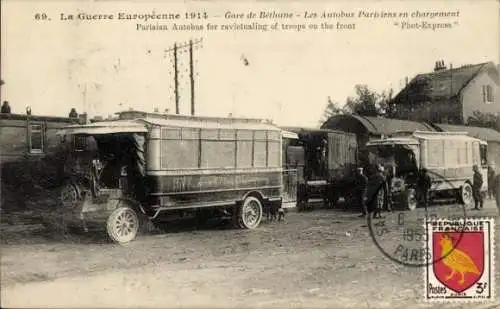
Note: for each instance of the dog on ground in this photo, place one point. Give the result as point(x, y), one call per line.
point(275, 213)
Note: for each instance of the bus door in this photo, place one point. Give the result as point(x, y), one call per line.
point(292, 175)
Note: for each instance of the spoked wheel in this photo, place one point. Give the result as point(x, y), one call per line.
point(69, 195)
point(123, 224)
point(466, 194)
point(250, 213)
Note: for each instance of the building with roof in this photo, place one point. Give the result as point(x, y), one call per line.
point(368, 128)
point(450, 95)
point(489, 135)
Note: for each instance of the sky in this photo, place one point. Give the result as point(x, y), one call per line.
point(107, 66)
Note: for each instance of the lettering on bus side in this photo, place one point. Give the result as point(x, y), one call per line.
point(179, 184)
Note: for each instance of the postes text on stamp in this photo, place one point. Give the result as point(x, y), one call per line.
point(463, 255)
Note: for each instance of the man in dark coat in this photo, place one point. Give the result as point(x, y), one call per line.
point(497, 191)
point(377, 197)
point(361, 184)
point(73, 113)
point(477, 183)
point(491, 181)
point(424, 184)
point(5, 107)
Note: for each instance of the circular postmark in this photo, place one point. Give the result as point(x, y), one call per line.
point(403, 235)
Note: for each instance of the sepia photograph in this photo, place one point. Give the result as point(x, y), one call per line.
point(250, 154)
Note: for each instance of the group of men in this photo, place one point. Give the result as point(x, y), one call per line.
point(374, 194)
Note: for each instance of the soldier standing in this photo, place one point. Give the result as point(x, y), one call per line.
point(379, 195)
point(361, 184)
point(477, 183)
point(491, 181)
point(73, 113)
point(5, 107)
point(497, 190)
point(424, 184)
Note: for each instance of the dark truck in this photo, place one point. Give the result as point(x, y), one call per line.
point(326, 162)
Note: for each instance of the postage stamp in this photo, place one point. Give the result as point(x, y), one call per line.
point(463, 260)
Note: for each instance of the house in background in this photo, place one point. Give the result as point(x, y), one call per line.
point(450, 95)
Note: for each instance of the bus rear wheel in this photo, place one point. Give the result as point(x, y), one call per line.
point(250, 213)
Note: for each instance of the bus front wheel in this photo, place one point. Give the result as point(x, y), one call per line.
point(466, 194)
point(123, 225)
point(250, 213)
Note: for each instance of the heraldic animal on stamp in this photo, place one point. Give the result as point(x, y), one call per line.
point(462, 252)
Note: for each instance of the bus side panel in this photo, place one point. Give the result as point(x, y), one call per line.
point(177, 190)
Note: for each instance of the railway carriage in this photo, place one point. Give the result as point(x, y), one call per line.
point(122, 172)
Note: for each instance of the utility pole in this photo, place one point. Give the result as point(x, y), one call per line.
point(176, 80)
point(191, 75)
point(178, 48)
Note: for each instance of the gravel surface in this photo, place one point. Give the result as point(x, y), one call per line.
point(323, 258)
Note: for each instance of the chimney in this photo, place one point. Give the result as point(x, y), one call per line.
point(440, 66)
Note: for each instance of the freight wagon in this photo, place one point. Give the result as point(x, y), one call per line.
point(326, 161)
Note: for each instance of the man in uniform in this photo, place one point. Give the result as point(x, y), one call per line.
point(491, 181)
point(378, 194)
point(423, 186)
point(361, 184)
point(5, 107)
point(497, 191)
point(477, 183)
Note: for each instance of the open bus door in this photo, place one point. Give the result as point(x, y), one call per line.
point(293, 167)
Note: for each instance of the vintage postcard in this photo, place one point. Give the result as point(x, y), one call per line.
point(268, 154)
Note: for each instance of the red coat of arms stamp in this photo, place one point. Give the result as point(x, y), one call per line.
point(463, 259)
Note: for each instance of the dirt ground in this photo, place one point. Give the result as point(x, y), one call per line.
point(323, 258)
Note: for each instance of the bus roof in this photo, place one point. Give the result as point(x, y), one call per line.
point(290, 135)
point(393, 141)
point(141, 125)
point(105, 127)
point(210, 123)
point(413, 138)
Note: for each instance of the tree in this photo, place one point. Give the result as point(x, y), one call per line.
point(332, 108)
point(387, 107)
point(368, 102)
